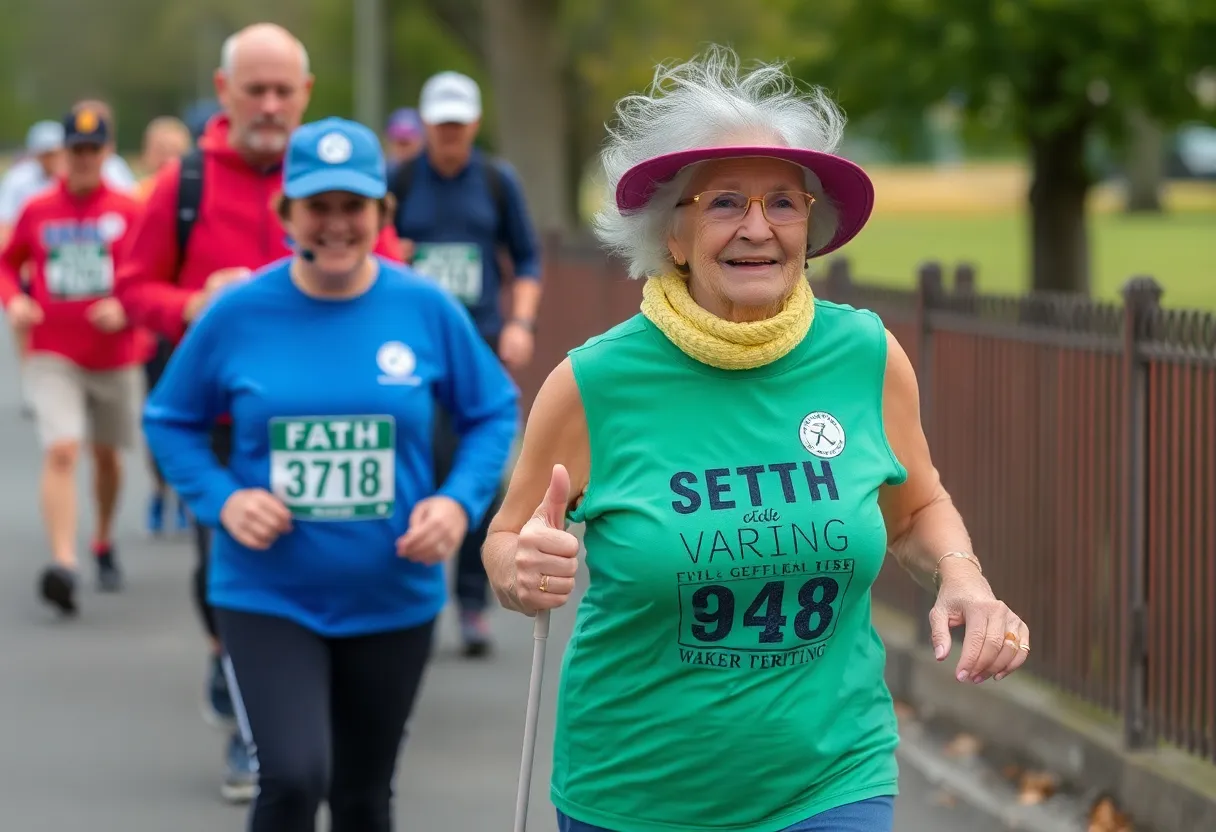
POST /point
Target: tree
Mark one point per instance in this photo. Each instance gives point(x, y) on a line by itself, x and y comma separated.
point(1056, 71)
point(524, 55)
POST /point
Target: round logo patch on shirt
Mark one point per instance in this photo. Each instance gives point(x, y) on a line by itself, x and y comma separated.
point(822, 434)
point(395, 359)
point(334, 148)
point(111, 226)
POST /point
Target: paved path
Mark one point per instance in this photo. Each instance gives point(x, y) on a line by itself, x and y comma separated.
point(99, 717)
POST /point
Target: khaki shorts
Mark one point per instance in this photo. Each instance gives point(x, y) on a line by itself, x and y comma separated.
point(72, 404)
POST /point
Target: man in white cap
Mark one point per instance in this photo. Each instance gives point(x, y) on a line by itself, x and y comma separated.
point(458, 209)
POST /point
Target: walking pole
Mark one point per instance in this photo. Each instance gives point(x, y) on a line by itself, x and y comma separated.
point(540, 633)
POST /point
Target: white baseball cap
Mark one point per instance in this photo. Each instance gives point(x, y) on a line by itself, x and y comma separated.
point(44, 137)
point(450, 97)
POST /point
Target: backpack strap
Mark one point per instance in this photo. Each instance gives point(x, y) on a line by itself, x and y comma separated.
point(189, 198)
point(403, 179)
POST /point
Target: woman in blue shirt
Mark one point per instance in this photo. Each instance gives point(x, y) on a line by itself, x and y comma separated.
point(331, 532)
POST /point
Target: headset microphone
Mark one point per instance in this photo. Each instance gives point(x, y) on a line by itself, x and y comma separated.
point(306, 253)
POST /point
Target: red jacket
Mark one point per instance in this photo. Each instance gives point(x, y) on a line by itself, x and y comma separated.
point(73, 245)
point(236, 227)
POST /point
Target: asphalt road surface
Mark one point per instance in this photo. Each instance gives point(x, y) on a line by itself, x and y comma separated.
point(100, 727)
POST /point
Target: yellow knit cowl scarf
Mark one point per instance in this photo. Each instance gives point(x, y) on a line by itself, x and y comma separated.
point(721, 343)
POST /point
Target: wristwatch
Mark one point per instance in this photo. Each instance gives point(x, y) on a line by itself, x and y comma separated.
point(523, 322)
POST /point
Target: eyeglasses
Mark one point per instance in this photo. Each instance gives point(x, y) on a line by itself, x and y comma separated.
point(778, 207)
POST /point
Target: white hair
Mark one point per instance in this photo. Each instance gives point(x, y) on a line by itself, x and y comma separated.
point(232, 42)
point(700, 103)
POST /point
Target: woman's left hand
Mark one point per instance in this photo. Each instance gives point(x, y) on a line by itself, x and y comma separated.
point(436, 530)
point(997, 642)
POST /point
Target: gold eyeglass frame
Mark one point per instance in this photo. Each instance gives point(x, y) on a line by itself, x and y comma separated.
point(696, 199)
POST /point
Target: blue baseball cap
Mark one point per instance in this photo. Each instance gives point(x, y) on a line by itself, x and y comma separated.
point(334, 154)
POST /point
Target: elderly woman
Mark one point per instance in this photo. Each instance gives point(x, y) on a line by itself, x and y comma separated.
point(742, 456)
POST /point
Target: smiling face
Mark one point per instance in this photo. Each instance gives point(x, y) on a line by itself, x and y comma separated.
point(339, 228)
point(744, 257)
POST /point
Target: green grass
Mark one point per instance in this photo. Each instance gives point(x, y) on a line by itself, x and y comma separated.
point(1178, 250)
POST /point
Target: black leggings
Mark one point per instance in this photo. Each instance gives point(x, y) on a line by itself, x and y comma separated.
point(325, 717)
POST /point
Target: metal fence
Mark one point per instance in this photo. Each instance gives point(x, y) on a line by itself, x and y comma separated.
point(1078, 440)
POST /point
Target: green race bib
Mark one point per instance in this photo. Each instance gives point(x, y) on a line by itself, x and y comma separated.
point(454, 266)
point(334, 468)
point(80, 270)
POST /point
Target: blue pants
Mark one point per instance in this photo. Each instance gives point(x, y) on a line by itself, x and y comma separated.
point(874, 815)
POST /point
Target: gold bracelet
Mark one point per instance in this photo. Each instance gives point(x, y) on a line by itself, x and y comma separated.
point(937, 571)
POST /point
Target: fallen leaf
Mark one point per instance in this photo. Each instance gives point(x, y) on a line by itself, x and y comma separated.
point(963, 745)
point(1105, 817)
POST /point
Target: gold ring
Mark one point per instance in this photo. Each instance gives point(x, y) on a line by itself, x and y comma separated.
point(544, 583)
point(1025, 647)
point(1010, 636)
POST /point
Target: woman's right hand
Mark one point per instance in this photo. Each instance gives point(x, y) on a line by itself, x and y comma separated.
point(546, 557)
point(255, 518)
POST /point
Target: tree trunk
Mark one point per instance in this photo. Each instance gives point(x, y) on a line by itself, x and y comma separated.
point(1145, 163)
point(523, 51)
point(1058, 190)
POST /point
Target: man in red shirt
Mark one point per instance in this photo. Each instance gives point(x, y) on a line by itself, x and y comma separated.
point(83, 373)
point(263, 85)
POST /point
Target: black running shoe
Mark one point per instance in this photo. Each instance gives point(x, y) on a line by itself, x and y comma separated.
point(58, 588)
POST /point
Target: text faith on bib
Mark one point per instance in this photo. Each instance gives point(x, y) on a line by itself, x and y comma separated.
point(335, 467)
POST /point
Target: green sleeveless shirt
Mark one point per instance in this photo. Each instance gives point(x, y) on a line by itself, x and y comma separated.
point(724, 673)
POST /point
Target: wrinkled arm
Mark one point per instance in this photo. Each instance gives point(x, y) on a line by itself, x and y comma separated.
point(922, 522)
point(556, 432)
